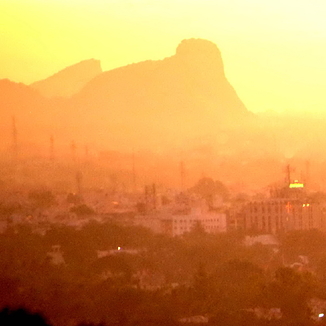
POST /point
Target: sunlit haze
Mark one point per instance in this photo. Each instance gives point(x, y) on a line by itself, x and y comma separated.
point(273, 51)
point(162, 162)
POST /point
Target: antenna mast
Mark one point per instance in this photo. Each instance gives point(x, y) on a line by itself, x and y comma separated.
point(182, 175)
point(14, 140)
point(51, 148)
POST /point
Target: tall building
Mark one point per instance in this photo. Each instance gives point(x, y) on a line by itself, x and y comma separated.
point(288, 208)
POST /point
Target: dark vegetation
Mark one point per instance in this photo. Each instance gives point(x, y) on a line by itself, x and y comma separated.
point(159, 282)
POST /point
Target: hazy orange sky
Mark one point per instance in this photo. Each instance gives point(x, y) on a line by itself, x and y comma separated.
point(273, 51)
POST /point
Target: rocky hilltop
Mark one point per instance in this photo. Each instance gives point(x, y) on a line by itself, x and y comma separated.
point(148, 104)
point(190, 83)
point(70, 80)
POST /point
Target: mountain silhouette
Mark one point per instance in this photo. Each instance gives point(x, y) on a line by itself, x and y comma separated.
point(34, 113)
point(20, 99)
point(149, 103)
point(70, 80)
point(179, 97)
point(191, 82)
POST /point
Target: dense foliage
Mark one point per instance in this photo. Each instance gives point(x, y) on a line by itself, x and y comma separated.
point(118, 275)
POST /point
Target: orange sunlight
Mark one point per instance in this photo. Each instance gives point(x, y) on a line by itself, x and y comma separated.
point(272, 51)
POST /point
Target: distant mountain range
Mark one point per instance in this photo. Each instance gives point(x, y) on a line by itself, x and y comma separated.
point(191, 81)
point(70, 80)
point(182, 105)
point(184, 95)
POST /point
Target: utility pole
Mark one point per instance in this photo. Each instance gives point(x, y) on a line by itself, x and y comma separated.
point(133, 173)
point(288, 174)
point(73, 151)
point(79, 179)
point(14, 141)
point(154, 195)
point(307, 177)
point(86, 154)
point(51, 148)
point(182, 175)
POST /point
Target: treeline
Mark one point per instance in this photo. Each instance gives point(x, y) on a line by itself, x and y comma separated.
point(157, 280)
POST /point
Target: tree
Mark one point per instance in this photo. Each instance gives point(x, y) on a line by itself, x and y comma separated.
point(239, 284)
point(6, 210)
point(74, 198)
point(116, 265)
point(41, 198)
point(290, 291)
point(21, 317)
point(207, 188)
point(310, 243)
point(82, 210)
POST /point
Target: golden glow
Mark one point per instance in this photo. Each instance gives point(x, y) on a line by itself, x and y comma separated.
point(288, 207)
point(296, 185)
point(273, 51)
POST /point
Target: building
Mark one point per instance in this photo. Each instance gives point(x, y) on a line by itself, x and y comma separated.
point(177, 224)
point(288, 208)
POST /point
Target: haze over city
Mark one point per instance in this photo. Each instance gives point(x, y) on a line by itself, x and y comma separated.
point(162, 163)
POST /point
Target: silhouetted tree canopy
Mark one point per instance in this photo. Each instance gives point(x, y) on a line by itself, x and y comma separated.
point(21, 317)
point(82, 210)
point(311, 243)
point(290, 291)
point(6, 210)
point(41, 198)
point(162, 280)
point(207, 188)
point(74, 198)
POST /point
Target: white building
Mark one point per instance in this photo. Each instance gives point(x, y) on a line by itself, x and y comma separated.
point(177, 224)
